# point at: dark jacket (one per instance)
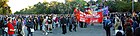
(63, 21)
(73, 20)
(70, 20)
(29, 24)
(19, 25)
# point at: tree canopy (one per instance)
(67, 8)
(4, 8)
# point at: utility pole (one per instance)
(132, 5)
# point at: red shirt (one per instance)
(10, 26)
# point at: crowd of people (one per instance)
(14, 25)
(123, 24)
(126, 24)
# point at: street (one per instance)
(95, 30)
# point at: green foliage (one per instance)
(122, 6)
(67, 8)
(4, 8)
(53, 7)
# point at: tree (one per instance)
(5, 9)
(67, 8)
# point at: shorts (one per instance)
(50, 26)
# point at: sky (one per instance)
(17, 5)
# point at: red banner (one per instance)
(96, 17)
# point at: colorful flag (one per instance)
(105, 11)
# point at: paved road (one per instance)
(95, 30)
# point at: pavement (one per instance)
(96, 30)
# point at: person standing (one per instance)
(107, 25)
(74, 23)
(63, 22)
(1, 27)
(128, 23)
(23, 26)
(5, 28)
(11, 29)
(29, 26)
(19, 27)
(70, 23)
(39, 22)
(117, 23)
(36, 23)
(123, 18)
(44, 27)
(56, 22)
(50, 21)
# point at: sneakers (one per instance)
(45, 33)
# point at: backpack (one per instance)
(108, 24)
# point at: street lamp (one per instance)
(132, 5)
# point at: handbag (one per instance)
(6, 29)
(32, 30)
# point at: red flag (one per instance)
(100, 16)
(89, 18)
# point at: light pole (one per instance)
(132, 5)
